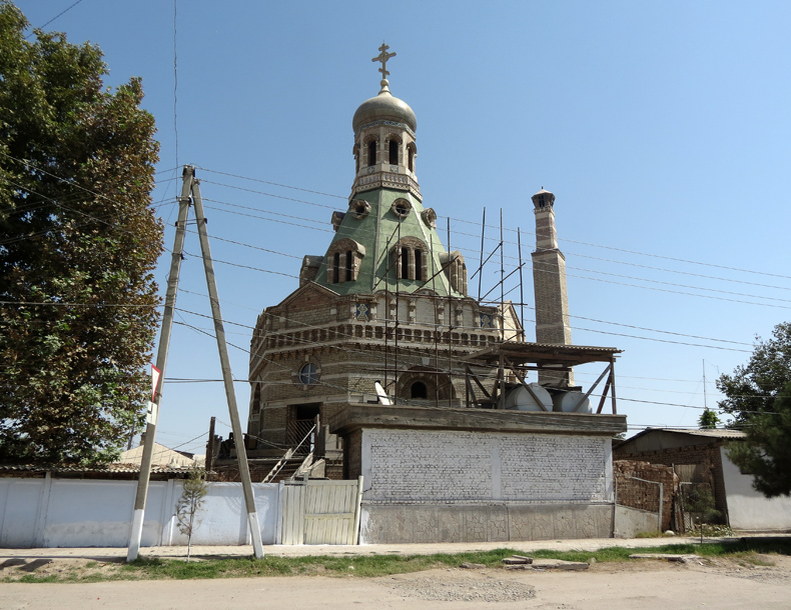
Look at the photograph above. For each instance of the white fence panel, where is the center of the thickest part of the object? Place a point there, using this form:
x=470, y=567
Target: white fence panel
x=321, y=512
x=86, y=513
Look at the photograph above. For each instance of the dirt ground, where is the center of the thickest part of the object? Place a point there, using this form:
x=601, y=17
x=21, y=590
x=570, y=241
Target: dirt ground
x=643, y=585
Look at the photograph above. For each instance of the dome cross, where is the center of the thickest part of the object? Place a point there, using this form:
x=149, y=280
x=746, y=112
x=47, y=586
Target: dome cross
x=383, y=57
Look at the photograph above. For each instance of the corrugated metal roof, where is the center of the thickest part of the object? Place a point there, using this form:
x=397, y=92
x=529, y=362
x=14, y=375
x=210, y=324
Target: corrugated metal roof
x=709, y=432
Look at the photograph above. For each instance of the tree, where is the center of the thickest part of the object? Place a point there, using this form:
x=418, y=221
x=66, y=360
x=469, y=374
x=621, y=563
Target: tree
x=708, y=420
x=758, y=395
x=193, y=493
x=78, y=245
x=766, y=451
x=753, y=388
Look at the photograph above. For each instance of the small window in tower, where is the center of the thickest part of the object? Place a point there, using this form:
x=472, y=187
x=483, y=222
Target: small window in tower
x=404, y=263
x=401, y=208
x=418, y=390
x=393, y=146
x=372, y=152
x=336, y=267
x=419, y=265
x=411, y=160
x=349, y=265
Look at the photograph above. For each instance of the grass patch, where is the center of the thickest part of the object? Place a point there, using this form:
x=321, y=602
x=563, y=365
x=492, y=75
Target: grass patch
x=751, y=551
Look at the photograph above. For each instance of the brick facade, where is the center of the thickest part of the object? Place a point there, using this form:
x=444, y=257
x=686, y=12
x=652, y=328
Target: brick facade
x=460, y=466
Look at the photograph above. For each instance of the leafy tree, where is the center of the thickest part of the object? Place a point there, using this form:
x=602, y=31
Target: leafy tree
x=766, y=451
x=752, y=389
x=759, y=397
x=193, y=493
x=708, y=420
x=78, y=244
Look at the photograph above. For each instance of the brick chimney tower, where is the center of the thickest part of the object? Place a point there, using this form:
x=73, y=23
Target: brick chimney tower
x=549, y=286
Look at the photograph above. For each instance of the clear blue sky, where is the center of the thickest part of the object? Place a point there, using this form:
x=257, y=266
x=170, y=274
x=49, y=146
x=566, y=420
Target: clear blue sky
x=662, y=128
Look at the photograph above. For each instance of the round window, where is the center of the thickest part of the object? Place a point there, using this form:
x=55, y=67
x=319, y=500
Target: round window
x=308, y=374
x=401, y=208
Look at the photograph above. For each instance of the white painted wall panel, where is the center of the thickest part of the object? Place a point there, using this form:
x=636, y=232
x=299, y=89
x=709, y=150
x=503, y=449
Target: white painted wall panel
x=86, y=513
x=749, y=509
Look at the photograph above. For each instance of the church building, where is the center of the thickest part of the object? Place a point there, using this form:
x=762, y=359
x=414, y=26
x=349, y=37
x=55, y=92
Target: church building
x=419, y=388
x=385, y=303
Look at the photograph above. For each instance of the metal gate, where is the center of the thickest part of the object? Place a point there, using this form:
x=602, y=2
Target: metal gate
x=321, y=512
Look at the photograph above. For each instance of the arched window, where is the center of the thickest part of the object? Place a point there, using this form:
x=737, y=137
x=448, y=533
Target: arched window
x=418, y=390
x=372, y=152
x=410, y=156
x=256, y=407
x=409, y=259
x=336, y=267
x=393, y=151
x=455, y=269
x=343, y=261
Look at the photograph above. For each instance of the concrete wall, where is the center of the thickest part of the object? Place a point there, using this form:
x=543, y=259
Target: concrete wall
x=631, y=521
x=484, y=522
x=463, y=486
x=749, y=509
x=52, y=512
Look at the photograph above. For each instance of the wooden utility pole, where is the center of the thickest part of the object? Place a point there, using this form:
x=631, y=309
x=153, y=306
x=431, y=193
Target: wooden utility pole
x=162, y=356
x=190, y=187
x=225, y=363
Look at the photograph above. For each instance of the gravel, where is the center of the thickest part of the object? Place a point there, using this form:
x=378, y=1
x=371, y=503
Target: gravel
x=462, y=587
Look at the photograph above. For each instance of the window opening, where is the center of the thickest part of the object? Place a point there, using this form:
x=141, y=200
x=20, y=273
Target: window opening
x=419, y=390
x=418, y=265
x=309, y=374
x=393, y=146
x=372, y=152
x=336, y=267
x=404, y=263
x=349, y=265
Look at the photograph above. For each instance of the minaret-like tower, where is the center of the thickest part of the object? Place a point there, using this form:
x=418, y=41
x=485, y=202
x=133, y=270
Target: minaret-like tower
x=549, y=285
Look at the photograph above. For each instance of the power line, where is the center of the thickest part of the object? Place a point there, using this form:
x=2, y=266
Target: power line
x=64, y=11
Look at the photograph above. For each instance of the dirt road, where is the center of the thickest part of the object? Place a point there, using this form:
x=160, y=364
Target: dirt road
x=653, y=585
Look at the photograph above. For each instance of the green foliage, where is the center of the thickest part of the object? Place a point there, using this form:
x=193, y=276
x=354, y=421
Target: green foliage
x=752, y=389
x=79, y=245
x=766, y=452
x=708, y=420
x=759, y=397
x=193, y=493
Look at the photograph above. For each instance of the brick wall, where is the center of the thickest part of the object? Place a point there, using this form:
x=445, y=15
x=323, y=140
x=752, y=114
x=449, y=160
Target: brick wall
x=458, y=466
x=707, y=455
x=645, y=496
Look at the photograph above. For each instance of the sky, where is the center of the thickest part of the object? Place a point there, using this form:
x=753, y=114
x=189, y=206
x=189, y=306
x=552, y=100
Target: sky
x=662, y=129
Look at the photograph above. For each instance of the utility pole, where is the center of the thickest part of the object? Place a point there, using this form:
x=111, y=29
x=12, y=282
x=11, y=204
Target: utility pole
x=136, y=534
x=190, y=187
x=219, y=331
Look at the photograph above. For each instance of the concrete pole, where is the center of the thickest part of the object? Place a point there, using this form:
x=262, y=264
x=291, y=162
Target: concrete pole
x=136, y=533
x=219, y=331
